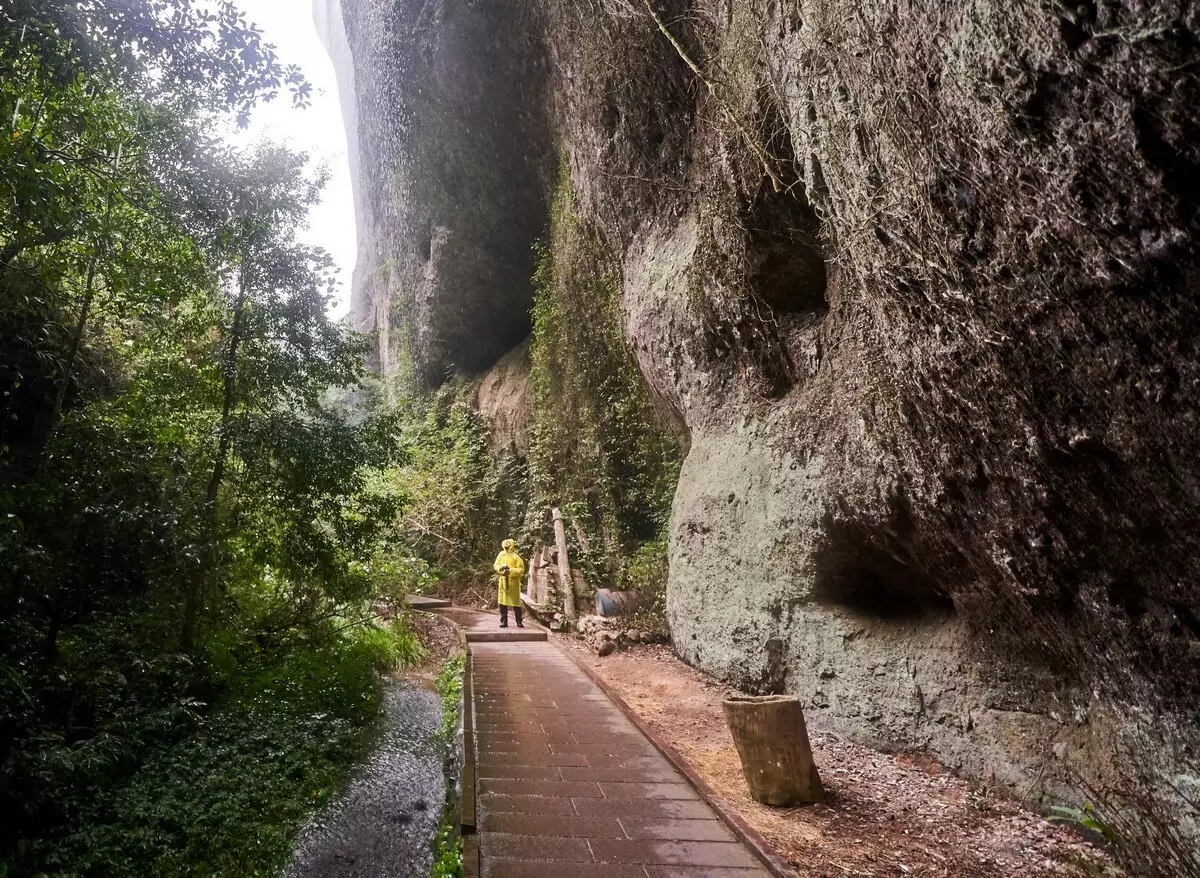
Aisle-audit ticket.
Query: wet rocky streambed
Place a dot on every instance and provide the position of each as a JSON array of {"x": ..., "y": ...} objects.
[{"x": 385, "y": 820}]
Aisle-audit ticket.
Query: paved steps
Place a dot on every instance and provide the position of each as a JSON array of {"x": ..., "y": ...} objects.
[
  {"x": 567, "y": 785},
  {"x": 485, "y": 627},
  {"x": 508, "y": 635}
]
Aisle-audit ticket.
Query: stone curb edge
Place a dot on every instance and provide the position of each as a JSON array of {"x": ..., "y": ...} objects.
[
  {"x": 470, "y": 841},
  {"x": 749, "y": 836}
]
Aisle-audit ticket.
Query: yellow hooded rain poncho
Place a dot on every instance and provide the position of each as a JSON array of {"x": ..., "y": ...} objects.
[{"x": 509, "y": 594}]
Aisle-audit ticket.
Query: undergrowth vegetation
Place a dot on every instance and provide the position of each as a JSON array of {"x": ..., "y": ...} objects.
[
  {"x": 450, "y": 688},
  {"x": 179, "y": 764},
  {"x": 598, "y": 449},
  {"x": 454, "y": 499},
  {"x": 447, "y": 846}
]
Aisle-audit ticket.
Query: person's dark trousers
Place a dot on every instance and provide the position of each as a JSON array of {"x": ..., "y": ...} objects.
[{"x": 504, "y": 616}]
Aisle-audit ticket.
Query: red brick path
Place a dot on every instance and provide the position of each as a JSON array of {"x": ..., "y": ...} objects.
[{"x": 567, "y": 786}]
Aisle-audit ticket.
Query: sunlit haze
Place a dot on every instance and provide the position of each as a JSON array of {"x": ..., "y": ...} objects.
[{"x": 318, "y": 130}]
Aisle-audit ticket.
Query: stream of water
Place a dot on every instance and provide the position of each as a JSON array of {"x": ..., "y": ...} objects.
[{"x": 384, "y": 822}]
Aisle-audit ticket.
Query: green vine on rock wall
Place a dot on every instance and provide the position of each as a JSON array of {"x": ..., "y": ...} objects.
[
  {"x": 456, "y": 499},
  {"x": 597, "y": 449}
]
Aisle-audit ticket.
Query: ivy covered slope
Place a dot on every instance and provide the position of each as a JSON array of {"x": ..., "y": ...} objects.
[
  {"x": 189, "y": 535},
  {"x": 599, "y": 448}
]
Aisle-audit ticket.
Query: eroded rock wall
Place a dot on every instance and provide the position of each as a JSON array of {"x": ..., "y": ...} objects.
[
  {"x": 505, "y": 397},
  {"x": 919, "y": 284},
  {"x": 941, "y": 387},
  {"x": 453, "y": 151}
]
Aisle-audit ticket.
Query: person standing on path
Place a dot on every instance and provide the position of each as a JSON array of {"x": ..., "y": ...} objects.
[{"x": 511, "y": 568}]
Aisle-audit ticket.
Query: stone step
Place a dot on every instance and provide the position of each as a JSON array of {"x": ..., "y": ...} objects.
[
  {"x": 506, "y": 635},
  {"x": 420, "y": 602}
]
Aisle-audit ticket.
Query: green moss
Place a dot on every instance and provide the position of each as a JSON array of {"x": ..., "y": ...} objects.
[
  {"x": 447, "y": 847},
  {"x": 597, "y": 449}
]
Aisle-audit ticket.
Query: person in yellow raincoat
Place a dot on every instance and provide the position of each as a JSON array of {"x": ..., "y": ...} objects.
[{"x": 511, "y": 568}]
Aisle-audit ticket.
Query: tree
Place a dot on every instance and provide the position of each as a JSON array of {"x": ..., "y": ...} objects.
[
  {"x": 278, "y": 353},
  {"x": 177, "y": 498}
]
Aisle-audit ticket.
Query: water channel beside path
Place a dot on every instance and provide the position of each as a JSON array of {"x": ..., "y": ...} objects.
[{"x": 385, "y": 820}]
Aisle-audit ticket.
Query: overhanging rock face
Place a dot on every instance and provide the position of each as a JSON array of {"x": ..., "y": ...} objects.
[
  {"x": 945, "y": 489},
  {"x": 940, "y": 376},
  {"x": 451, "y": 148}
]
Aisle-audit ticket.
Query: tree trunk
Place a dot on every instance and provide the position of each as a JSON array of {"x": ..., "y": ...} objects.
[
  {"x": 85, "y": 311},
  {"x": 564, "y": 566},
  {"x": 772, "y": 742},
  {"x": 191, "y": 603}
]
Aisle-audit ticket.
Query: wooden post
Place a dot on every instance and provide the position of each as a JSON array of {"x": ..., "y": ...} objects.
[
  {"x": 564, "y": 566},
  {"x": 535, "y": 586},
  {"x": 772, "y": 742}
]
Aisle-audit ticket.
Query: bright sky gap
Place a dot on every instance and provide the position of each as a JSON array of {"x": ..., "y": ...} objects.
[{"x": 317, "y": 130}]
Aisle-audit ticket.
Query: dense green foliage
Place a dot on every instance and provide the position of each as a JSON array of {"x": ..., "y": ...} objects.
[
  {"x": 176, "y": 785},
  {"x": 447, "y": 846},
  {"x": 454, "y": 497},
  {"x": 598, "y": 449},
  {"x": 190, "y": 535}
]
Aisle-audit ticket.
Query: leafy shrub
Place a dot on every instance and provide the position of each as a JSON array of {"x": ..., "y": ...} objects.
[
  {"x": 391, "y": 647},
  {"x": 646, "y": 571},
  {"x": 204, "y": 767}
]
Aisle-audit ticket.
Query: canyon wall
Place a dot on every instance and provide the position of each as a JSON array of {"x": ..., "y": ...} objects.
[
  {"x": 916, "y": 284},
  {"x": 453, "y": 151}
]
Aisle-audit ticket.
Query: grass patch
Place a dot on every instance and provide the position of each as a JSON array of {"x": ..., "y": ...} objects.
[
  {"x": 449, "y": 686},
  {"x": 391, "y": 646},
  {"x": 447, "y": 847},
  {"x": 447, "y": 852}
]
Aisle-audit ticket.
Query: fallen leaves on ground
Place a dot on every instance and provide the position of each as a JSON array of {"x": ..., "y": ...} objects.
[{"x": 886, "y": 814}]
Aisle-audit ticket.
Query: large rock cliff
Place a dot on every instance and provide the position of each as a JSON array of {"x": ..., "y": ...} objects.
[
  {"x": 918, "y": 284},
  {"x": 452, "y": 149}
]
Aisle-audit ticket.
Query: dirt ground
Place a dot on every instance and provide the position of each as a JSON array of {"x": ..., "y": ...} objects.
[
  {"x": 886, "y": 814},
  {"x": 439, "y": 637}
]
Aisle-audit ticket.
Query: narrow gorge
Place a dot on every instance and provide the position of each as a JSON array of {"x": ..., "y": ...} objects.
[{"x": 912, "y": 288}]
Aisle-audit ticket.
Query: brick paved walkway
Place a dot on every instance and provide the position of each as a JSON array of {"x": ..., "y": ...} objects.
[{"x": 567, "y": 786}]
